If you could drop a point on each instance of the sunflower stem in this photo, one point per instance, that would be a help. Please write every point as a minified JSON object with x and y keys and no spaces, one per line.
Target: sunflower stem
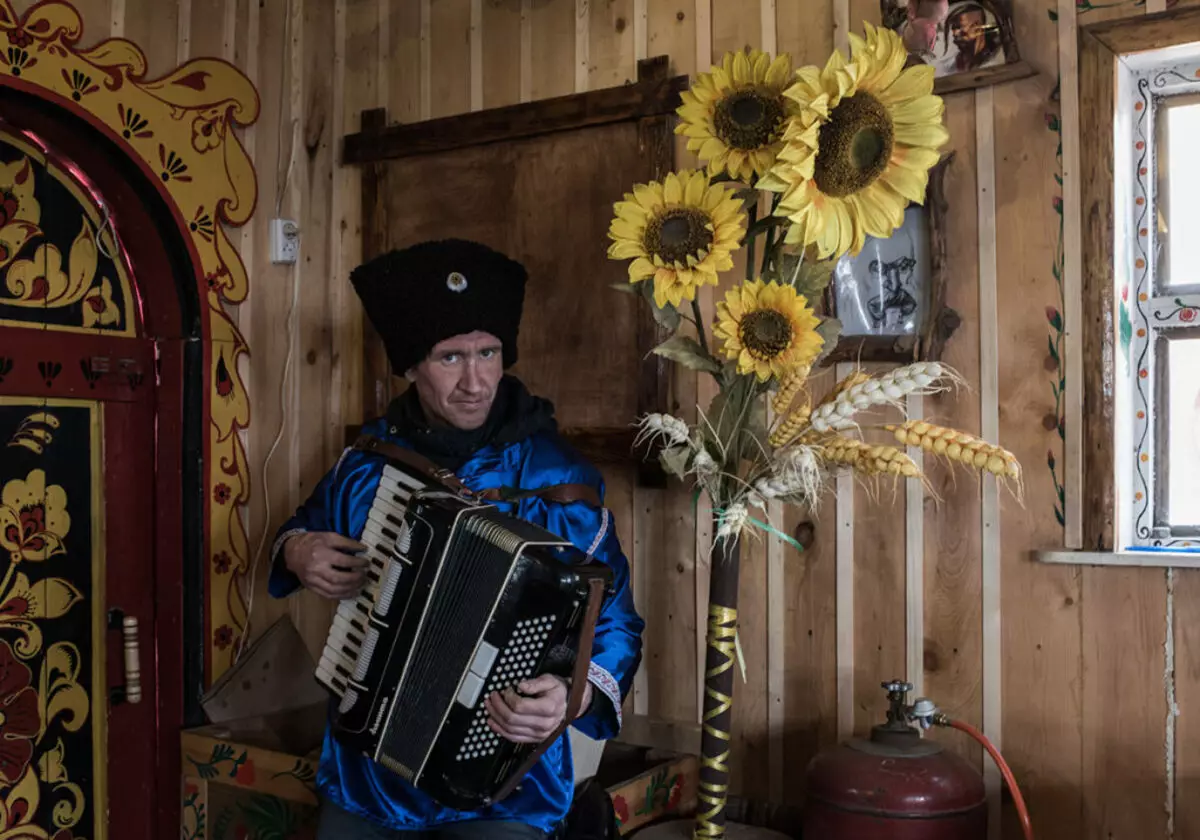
{"x":699,"y":322}
{"x":751,"y":238}
{"x":770,"y":248}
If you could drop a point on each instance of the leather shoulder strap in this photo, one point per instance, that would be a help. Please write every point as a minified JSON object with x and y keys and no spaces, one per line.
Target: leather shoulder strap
{"x":560,"y":493}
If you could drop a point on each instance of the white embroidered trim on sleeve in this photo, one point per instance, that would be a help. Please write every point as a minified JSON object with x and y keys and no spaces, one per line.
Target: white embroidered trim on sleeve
{"x":604,"y":518}
{"x":601,"y":679}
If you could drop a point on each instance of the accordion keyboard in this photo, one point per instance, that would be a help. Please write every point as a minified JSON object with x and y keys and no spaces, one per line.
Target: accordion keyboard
{"x":352,"y":638}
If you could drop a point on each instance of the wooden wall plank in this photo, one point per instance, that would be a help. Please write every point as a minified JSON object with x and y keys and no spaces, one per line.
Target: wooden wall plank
{"x":805,"y":31}
{"x":501,"y":54}
{"x":265,"y":328}
{"x":450,"y":48}
{"x":1044,"y":672}
{"x":145,"y":23}
{"x":953,"y":555}
{"x":879,"y":556}
{"x":989,"y":424}
{"x":1124,"y":779}
{"x":863,"y":11}
{"x":810,"y":646}
{"x":665,"y":527}
{"x":552,"y":54}
{"x":735,"y":27}
{"x":314,"y":181}
{"x":1185,"y":756}
{"x":611,"y":49}
{"x":97,"y":20}
{"x":402,"y":97}
{"x":207,"y":29}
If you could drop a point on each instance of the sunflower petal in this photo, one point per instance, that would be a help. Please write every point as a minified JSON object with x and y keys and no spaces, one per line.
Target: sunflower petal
{"x":915,"y":82}
{"x":742,"y":72}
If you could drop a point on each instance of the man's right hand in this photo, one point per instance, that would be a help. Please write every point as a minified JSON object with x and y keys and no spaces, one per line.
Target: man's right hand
{"x":324,"y":564}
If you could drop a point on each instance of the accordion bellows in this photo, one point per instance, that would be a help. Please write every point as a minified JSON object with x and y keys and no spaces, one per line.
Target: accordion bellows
{"x":461,"y":600}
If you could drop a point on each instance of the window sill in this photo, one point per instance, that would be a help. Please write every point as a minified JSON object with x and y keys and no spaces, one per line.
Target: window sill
{"x":1184,"y":559}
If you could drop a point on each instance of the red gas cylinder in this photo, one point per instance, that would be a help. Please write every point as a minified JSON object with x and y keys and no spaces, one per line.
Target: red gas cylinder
{"x":894,"y":785}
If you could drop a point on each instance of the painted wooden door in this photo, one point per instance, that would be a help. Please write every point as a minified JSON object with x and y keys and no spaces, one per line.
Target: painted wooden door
{"x":77,"y":513}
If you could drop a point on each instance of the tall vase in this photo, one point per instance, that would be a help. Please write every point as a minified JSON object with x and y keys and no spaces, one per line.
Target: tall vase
{"x":718,"y":689}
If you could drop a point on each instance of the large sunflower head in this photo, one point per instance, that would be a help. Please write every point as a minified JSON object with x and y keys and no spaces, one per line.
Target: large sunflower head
{"x":734,"y":116}
{"x":860,"y":148}
{"x":680,"y":233}
{"x":768,"y":328}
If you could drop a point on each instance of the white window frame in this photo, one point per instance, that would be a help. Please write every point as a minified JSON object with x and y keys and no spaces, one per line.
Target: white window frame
{"x":1143,"y":82}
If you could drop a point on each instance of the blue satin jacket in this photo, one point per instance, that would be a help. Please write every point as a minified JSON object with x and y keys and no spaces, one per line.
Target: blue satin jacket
{"x":340,"y":503}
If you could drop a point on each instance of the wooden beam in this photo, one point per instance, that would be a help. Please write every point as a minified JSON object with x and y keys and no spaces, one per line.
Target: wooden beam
{"x":657,"y":97}
{"x":987,"y":77}
{"x":1146,"y":32}
{"x":1068,"y":64}
{"x":1096,"y":115}
{"x":600,"y":446}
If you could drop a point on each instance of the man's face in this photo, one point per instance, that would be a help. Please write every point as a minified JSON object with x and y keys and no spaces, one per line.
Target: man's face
{"x":966,"y":28}
{"x":457,"y":381}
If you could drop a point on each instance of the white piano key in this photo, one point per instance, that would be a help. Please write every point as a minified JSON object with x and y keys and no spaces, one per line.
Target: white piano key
{"x":391,"y":508}
{"x":386,"y":527}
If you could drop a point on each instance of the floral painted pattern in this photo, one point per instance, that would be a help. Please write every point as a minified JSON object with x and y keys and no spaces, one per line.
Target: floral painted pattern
{"x":39,"y":276}
{"x":20,"y":716}
{"x":33,"y":518}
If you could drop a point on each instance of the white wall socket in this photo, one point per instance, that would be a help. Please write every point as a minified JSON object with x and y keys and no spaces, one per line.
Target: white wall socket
{"x":285,"y":241}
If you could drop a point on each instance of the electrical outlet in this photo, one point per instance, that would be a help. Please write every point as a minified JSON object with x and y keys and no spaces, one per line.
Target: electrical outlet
{"x":285,"y":241}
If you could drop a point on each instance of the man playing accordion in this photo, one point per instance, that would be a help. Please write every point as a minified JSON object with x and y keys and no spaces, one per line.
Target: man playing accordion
{"x":449,"y":313}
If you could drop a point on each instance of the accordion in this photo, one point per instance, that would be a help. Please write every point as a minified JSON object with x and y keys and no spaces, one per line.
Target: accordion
{"x":461,"y":600}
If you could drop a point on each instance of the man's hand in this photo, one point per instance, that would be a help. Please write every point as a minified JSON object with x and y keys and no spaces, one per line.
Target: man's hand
{"x":322,"y":561}
{"x":532,"y":718}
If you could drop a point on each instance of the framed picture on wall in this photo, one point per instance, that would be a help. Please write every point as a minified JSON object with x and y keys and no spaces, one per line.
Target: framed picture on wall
{"x":969,"y":43}
{"x":891,"y":296}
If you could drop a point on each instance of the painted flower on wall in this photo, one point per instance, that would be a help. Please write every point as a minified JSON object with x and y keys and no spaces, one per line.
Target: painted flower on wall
{"x":44,"y":282}
{"x":19,"y":816}
{"x":98,"y":306}
{"x":20,"y":717}
{"x":33,"y":518}
{"x":19,"y":210}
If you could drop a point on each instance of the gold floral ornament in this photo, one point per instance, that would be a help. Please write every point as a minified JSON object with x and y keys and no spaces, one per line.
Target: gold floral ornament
{"x":768,"y":328}
{"x":33,"y":518}
{"x":734,"y":115}
{"x":20,"y":211}
{"x":861,"y":147}
{"x":680,"y":233}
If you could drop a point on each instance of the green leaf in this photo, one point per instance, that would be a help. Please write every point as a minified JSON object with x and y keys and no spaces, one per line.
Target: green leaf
{"x":1053,"y":13}
{"x":666,"y":317}
{"x":674,"y":460}
{"x":685,"y":351}
{"x":1059,"y":516}
{"x":763,"y":224}
{"x":1053,"y":349}
{"x":829,"y":329}
{"x":629,"y":288}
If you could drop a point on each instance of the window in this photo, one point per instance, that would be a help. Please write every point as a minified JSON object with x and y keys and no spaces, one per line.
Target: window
{"x":1157,"y":376}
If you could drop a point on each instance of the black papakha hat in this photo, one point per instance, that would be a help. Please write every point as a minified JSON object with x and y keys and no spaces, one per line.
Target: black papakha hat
{"x":435,"y":290}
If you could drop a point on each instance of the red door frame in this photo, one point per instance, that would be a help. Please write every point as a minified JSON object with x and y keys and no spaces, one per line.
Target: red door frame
{"x":162,"y":262}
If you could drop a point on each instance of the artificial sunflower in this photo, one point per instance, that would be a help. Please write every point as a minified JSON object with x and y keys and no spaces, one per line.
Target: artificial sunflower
{"x":681,"y":232}
{"x":860,"y":148}
{"x":734,"y":116}
{"x":768,"y":328}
